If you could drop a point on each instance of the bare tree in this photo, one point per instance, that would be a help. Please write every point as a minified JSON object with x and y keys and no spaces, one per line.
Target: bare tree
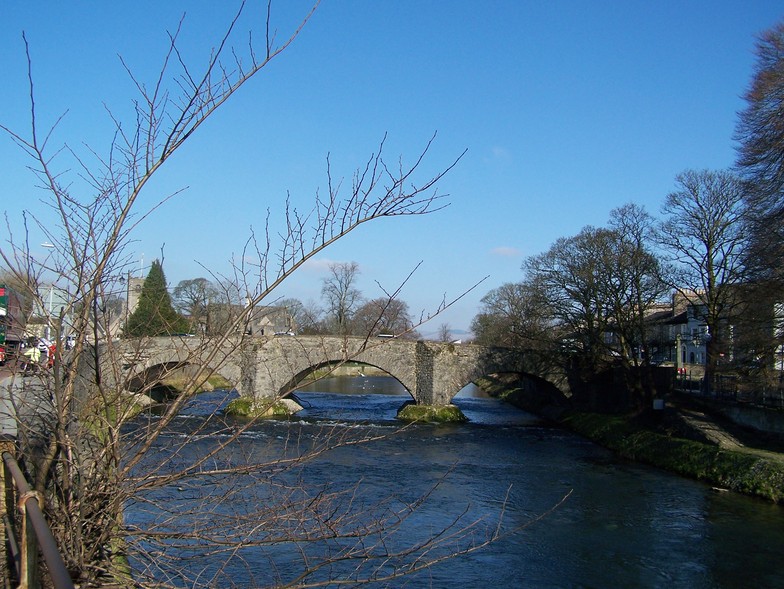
{"x":633,"y":282}
{"x":308,"y":317}
{"x":570,"y":277}
{"x":86,"y":460}
{"x":759,"y":130}
{"x":444,"y":332}
{"x":384,"y":316}
{"x":760,"y":135}
{"x":341,"y":295}
{"x":704,"y":234}
{"x":192,"y":298}
{"x":515,"y":315}
{"x":633,"y":287}
{"x":587,"y":298}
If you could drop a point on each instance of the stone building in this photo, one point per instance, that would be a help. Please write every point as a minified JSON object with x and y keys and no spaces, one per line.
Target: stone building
{"x":262,"y":320}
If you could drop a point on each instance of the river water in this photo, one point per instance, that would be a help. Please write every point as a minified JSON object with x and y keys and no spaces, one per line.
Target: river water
{"x":573,"y":514}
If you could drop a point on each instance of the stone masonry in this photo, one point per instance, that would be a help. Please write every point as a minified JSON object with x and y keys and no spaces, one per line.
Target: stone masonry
{"x":432,"y":372}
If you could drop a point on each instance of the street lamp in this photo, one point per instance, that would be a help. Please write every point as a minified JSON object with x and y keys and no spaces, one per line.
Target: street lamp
{"x":48,"y":330}
{"x":678,"y":352}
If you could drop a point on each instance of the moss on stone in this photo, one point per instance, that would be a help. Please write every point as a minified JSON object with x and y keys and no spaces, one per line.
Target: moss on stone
{"x":253,"y":408}
{"x":239,"y":407}
{"x":432,"y":413}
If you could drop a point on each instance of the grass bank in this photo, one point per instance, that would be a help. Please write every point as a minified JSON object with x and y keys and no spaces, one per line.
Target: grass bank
{"x":741,"y":472}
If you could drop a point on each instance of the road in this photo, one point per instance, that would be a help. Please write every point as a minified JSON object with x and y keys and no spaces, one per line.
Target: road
{"x":25,"y":393}
{"x":8,"y":388}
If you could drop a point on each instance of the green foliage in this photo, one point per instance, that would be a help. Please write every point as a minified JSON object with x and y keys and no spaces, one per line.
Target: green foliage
{"x":154,"y":314}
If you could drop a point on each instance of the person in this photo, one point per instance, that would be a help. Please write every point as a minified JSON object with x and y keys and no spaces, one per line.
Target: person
{"x":50,"y":355}
{"x":32,"y":357}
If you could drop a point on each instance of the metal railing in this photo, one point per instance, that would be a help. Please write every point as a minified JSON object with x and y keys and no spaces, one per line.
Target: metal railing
{"x":731,"y":389}
{"x":28,"y":534}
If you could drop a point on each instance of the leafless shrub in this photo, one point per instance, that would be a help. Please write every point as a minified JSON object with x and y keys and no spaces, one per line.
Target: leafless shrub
{"x":94,"y":464}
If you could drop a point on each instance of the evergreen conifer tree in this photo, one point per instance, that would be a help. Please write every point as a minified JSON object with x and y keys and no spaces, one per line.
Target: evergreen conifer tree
{"x":154,"y":315}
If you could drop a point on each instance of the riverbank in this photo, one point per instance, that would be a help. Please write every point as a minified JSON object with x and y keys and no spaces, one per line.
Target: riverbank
{"x":743,"y":471}
{"x":681,"y":439}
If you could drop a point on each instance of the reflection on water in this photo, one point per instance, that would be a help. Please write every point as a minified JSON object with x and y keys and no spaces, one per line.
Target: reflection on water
{"x":622,"y":524}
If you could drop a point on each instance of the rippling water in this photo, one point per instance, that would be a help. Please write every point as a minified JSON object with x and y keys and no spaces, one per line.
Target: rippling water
{"x":620,"y":524}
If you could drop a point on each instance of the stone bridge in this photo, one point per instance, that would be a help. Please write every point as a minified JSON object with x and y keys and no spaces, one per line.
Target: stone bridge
{"x":432,"y":372}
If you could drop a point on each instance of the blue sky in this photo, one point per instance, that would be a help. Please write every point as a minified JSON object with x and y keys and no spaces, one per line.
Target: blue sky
{"x":568,"y":109}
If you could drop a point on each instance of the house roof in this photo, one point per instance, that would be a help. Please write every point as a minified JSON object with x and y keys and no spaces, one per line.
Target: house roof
{"x":667,"y":318}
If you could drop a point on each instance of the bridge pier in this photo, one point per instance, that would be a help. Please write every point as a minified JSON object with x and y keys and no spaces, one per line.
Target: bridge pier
{"x":441,"y":371}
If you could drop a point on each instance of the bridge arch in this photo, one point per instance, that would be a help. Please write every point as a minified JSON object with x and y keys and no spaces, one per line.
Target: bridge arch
{"x":522,"y":382}
{"x":304,"y":377}
{"x":138,"y":365}
{"x":281,"y":363}
{"x":165,"y":379}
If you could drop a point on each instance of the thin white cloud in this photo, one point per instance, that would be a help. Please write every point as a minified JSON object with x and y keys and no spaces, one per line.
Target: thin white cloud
{"x":497,"y":155}
{"x":319,"y":264}
{"x":506,"y":251}
{"x":500,"y":153}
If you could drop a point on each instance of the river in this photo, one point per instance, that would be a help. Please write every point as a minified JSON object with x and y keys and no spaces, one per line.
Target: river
{"x":575,"y":516}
